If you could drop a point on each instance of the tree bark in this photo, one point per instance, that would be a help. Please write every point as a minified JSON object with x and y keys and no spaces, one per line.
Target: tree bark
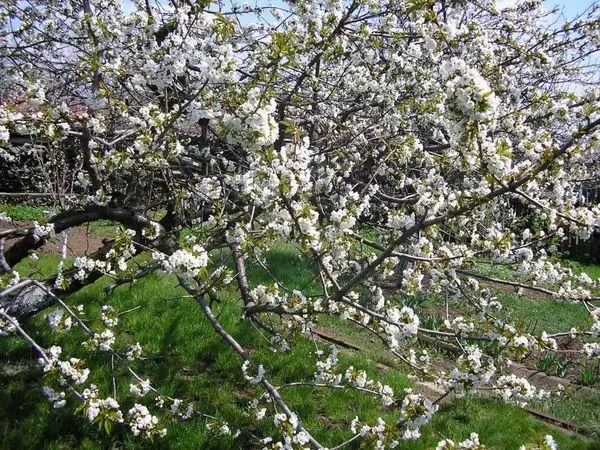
{"x":31,"y":299}
{"x":25,"y":302}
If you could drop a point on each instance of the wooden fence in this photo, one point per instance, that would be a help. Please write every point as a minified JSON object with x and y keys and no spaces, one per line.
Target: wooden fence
{"x":586,"y":250}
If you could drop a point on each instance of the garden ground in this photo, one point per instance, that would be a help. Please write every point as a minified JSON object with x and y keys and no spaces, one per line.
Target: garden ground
{"x":186,"y":359}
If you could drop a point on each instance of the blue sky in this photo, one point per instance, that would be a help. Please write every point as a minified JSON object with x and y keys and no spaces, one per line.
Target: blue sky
{"x":570,"y":8}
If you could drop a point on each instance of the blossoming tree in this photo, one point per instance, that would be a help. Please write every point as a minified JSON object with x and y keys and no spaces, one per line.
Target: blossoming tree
{"x":382,"y":139}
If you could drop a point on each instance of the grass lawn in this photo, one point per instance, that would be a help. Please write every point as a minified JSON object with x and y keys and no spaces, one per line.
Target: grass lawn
{"x":25,"y":212}
{"x":545,"y":314}
{"x":186,"y":359}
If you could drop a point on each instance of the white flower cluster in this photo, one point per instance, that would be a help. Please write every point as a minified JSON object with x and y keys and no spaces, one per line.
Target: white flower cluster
{"x":287,"y":171}
{"x":517,"y":344}
{"x":5,"y":117}
{"x":177,"y":408}
{"x":415,"y":411}
{"x":378,"y":298}
{"x":14,"y":279}
{"x":123,"y":250}
{"x":59,"y":321}
{"x":86,"y":266}
{"x":521,"y":344}
{"x":222,"y":274}
{"x":60,"y":282}
{"x":460,"y":326}
{"x":100,"y":198}
{"x":359,"y":379}
{"x":209,"y":188}
{"x":400,"y":221}
{"x":140,"y":389}
{"x":496,"y":154}
{"x":221,"y":428}
{"x":134,"y":352}
{"x":56,"y":398}
{"x":547,"y":444}
{"x":266,"y":295}
{"x":547,"y":342}
{"x":184,"y":262}
{"x":517,"y":390}
{"x":289,"y":428}
{"x":237,"y":235}
{"x":42,"y":231}
{"x":308,"y":224}
{"x":279,"y":343}
{"x":592,"y":350}
{"x":405,"y":324}
{"x":469,"y":93}
{"x":472,"y":371}
{"x":421,"y":360}
{"x":108,"y":316}
{"x":472,"y":443}
{"x":412,"y":281}
{"x":260,"y":372}
{"x":343,"y":220}
{"x":570,"y":285}
{"x":270,"y":296}
{"x":254,"y":411}
{"x":486,"y":302}
{"x":97,"y":409}
{"x":325,"y":368}
{"x":595,"y":329}
{"x":255,"y":127}
{"x":152,"y":231}
{"x":70,"y":371}
{"x":103,"y":341}
{"x":144,"y":423}
{"x":279,"y":222}
{"x":380,"y":431}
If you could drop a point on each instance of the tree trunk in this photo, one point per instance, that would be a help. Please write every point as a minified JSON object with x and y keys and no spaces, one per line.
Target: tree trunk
{"x":26,"y":301}
{"x":403,"y":264}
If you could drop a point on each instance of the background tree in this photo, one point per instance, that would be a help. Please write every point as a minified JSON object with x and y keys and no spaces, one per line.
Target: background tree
{"x":364,"y":133}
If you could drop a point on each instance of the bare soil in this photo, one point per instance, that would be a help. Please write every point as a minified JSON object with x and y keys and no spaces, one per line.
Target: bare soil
{"x":80,"y":241}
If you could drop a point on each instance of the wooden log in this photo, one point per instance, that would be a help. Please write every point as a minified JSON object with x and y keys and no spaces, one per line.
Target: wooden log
{"x":25,"y":194}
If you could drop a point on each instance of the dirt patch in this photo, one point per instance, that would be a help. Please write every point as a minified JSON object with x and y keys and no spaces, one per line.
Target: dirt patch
{"x":79,"y":239}
{"x":442,"y":312}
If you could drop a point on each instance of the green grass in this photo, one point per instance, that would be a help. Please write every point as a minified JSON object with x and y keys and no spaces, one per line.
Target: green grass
{"x":532,"y":314}
{"x":584,"y":411}
{"x":103,"y":228}
{"x":540,"y":312}
{"x":41,"y":268}
{"x":24,"y":212}
{"x":499,"y":426}
{"x":593,"y":270}
{"x":186,"y":359}
{"x":545,"y":314}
